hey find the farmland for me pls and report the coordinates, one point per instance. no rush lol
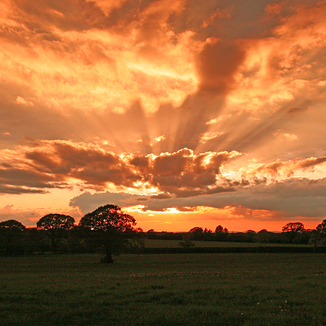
(176, 289)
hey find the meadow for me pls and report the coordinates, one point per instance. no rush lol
(176, 289)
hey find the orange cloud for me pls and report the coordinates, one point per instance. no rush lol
(155, 101)
(277, 68)
(282, 169)
(52, 164)
(86, 66)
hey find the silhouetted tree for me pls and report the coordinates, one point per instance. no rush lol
(221, 233)
(55, 227)
(196, 233)
(251, 235)
(220, 229)
(12, 225)
(315, 238)
(318, 236)
(207, 234)
(151, 234)
(35, 241)
(293, 229)
(263, 236)
(11, 237)
(112, 226)
(321, 228)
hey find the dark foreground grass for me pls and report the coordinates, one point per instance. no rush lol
(189, 289)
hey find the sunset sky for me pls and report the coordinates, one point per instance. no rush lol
(183, 112)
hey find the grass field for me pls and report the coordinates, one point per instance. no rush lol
(179, 289)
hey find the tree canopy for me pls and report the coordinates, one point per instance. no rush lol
(55, 225)
(12, 224)
(108, 218)
(11, 236)
(220, 229)
(55, 221)
(322, 227)
(112, 225)
(293, 227)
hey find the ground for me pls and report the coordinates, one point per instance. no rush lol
(175, 289)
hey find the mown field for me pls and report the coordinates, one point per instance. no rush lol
(178, 289)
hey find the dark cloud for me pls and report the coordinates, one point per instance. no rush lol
(271, 168)
(93, 166)
(43, 159)
(182, 171)
(50, 164)
(217, 64)
(294, 187)
(87, 202)
(295, 111)
(16, 190)
(140, 162)
(173, 164)
(220, 189)
(310, 162)
(28, 178)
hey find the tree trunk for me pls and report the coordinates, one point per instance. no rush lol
(108, 256)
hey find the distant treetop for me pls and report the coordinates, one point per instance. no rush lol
(293, 227)
(55, 221)
(12, 224)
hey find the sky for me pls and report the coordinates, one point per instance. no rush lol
(184, 113)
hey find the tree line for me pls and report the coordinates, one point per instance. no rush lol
(107, 229)
(292, 233)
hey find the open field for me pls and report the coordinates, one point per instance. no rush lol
(179, 289)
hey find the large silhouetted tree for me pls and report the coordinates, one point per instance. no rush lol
(318, 236)
(55, 226)
(321, 228)
(112, 226)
